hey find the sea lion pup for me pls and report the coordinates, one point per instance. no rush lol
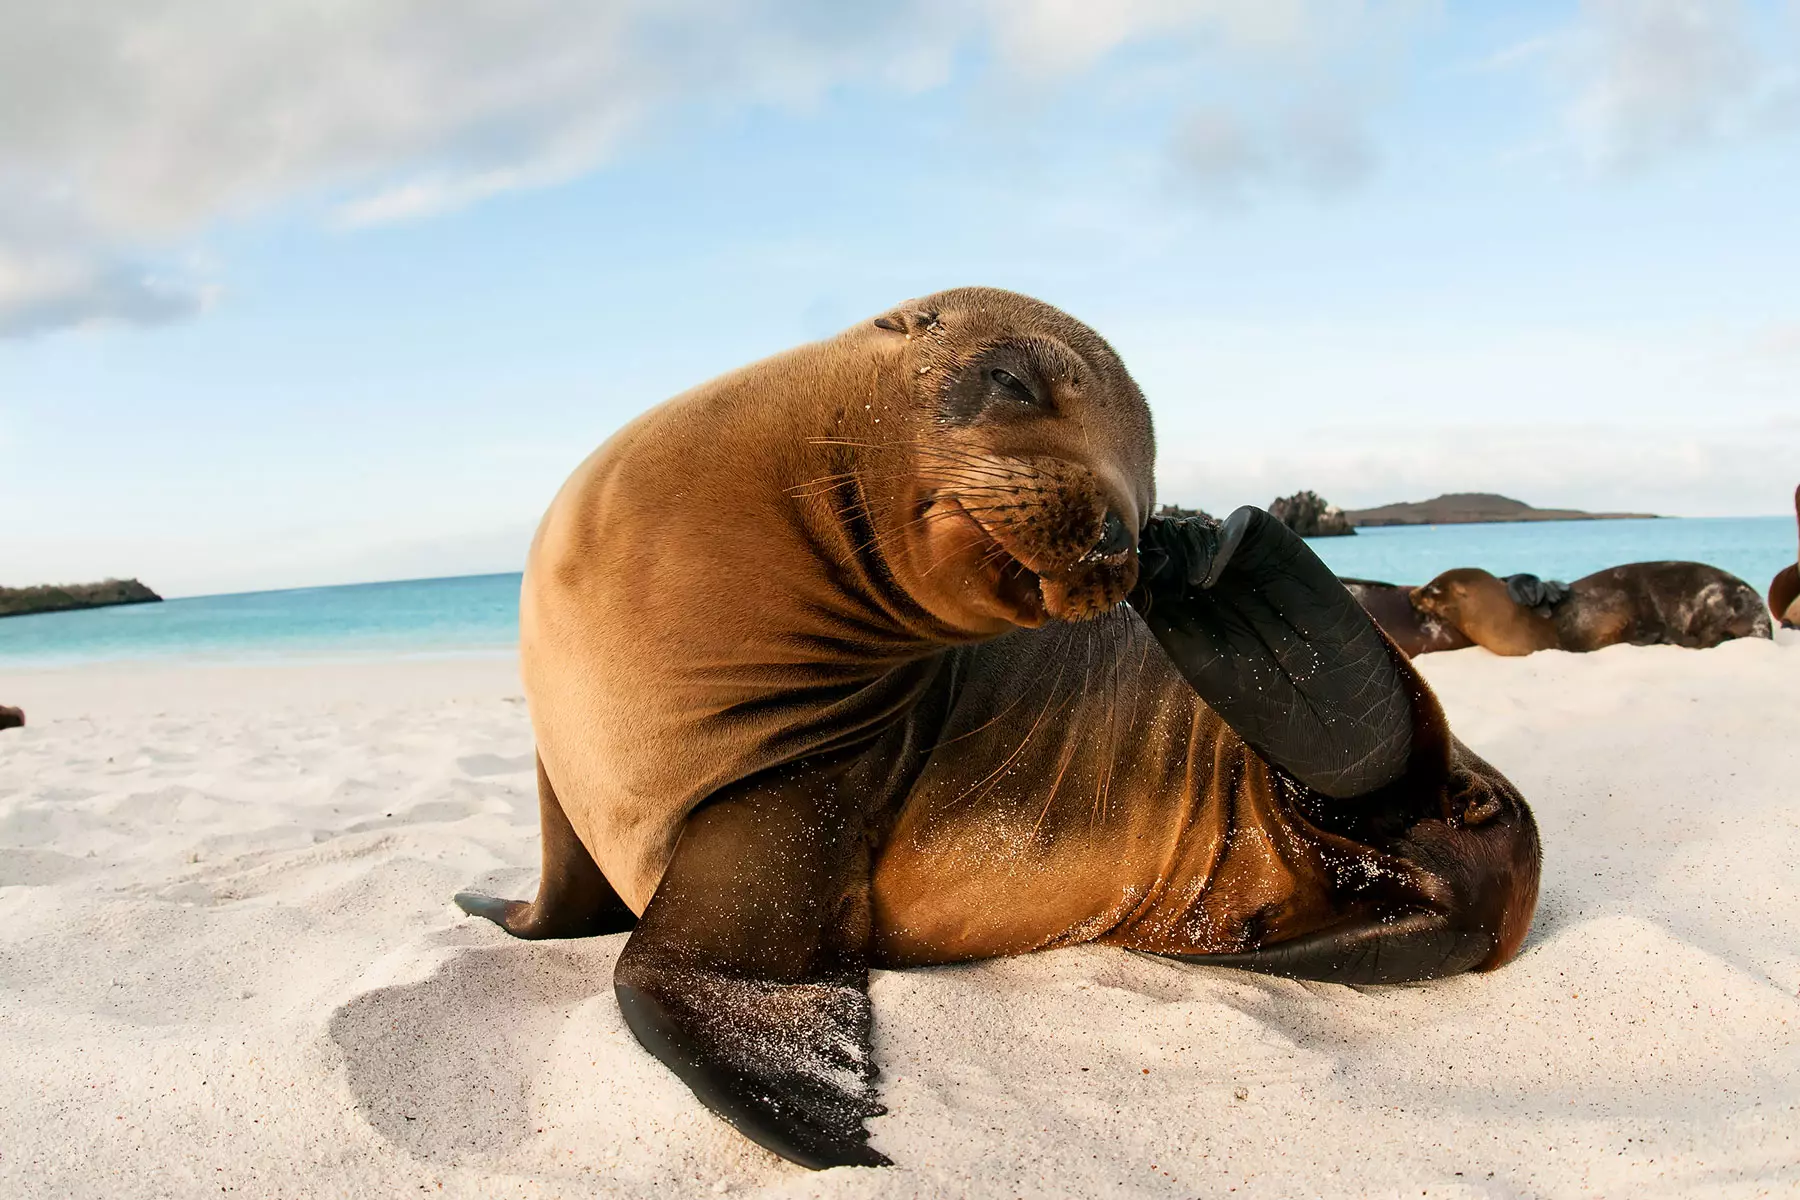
(1640, 604)
(1414, 632)
(828, 669)
(1784, 589)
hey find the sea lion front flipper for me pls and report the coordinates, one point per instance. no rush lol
(748, 975)
(1278, 647)
(574, 898)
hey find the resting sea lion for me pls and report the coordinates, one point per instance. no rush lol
(1414, 632)
(1784, 589)
(829, 669)
(1639, 604)
(11, 718)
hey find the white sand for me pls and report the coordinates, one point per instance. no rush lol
(229, 963)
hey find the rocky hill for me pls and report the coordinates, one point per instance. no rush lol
(16, 602)
(1469, 508)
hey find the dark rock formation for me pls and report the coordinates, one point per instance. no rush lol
(1473, 508)
(11, 718)
(1307, 514)
(15, 602)
(1175, 510)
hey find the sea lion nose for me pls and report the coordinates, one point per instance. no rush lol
(1115, 539)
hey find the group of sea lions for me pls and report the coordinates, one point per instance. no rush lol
(1640, 604)
(871, 654)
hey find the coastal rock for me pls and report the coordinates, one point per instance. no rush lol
(1309, 515)
(1174, 511)
(16, 602)
(11, 718)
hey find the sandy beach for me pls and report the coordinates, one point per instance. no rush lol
(229, 964)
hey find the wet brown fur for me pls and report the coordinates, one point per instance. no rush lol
(823, 558)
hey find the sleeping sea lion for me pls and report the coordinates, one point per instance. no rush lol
(1414, 632)
(829, 668)
(1640, 604)
(1784, 589)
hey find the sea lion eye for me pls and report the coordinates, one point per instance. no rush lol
(1011, 383)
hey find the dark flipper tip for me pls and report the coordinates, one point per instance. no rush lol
(800, 1118)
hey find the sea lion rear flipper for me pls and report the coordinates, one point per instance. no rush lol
(1276, 645)
(747, 975)
(1395, 949)
(574, 898)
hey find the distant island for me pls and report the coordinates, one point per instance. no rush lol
(16, 602)
(1470, 508)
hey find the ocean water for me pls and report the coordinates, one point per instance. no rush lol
(1752, 548)
(462, 615)
(477, 614)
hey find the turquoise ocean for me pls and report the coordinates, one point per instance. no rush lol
(479, 614)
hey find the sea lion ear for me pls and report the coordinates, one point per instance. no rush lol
(907, 320)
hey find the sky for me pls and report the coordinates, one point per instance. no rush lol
(306, 293)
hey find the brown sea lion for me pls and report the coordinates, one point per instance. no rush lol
(11, 718)
(1640, 604)
(829, 669)
(1784, 589)
(1413, 631)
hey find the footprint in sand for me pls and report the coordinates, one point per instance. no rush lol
(450, 1064)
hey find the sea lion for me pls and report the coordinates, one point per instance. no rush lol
(11, 718)
(1414, 632)
(1640, 604)
(828, 669)
(1784, 589)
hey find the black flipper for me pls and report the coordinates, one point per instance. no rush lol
(748, 973)
(1528, 591)
(1403, 949)
(1278, 647)
(574, 898)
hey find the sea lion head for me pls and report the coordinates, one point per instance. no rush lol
(1455, 592)
(1478, 603)
(1016, 472)
(1470, 599)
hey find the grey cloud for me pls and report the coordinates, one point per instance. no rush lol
(1232, 160)
(88, 294)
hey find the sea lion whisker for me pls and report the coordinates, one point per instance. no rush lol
(1068, 756)
(992, 779)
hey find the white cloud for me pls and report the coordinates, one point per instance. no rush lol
(1645, 80)
(139, 124)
